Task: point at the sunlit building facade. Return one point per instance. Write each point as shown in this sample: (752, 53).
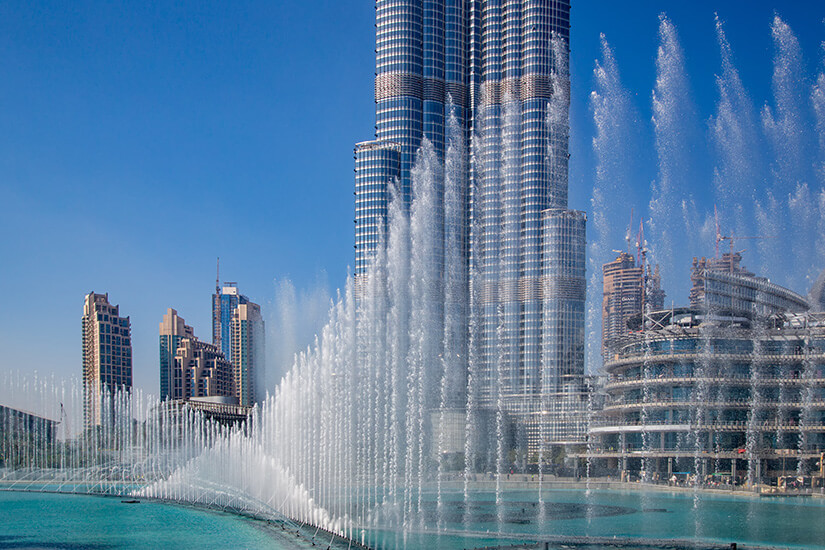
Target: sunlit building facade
(173, 329)
(107, 358)
(247, 345)
(224, 302)
(203, 371)
(238, 333)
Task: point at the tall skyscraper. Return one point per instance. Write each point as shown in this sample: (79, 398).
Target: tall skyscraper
(224, 302)
(626, 293)
(107, 357)
(377, 163)
(173, 329)
(491, 78)
(247, 344)
(238, 332)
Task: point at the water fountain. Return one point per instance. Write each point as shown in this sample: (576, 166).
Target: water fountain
(353, 439)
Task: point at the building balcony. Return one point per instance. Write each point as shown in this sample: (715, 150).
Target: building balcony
(625, 405)
(604, 426)
(692, 356)
(615, 384)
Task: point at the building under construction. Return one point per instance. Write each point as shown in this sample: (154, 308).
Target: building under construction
(730, 389)
(629, 288)
(724, 285)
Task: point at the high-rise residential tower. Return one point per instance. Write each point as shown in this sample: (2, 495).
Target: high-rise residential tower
(224, 302)
(490, 78)
(107, 358)
(192, 369)
(628, 289)
(238, 332)
(203, 371)
(247, 344)
(173, 329)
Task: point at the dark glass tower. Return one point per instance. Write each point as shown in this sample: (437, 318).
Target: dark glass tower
(224, 302)
(500, 68)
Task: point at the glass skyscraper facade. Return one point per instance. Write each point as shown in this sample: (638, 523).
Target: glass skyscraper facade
(377, 166)
(224, 302)
(498, 70)
(238, 333)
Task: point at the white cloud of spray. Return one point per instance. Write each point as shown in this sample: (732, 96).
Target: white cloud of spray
(296, 315)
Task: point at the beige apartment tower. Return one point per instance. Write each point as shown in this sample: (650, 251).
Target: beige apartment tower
(628, 289)
(107, 358)
(173, 329)
(247, 344)
(191, 368)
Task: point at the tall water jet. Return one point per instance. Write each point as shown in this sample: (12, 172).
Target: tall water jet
(756, 406)
(297, 316)
(398, 270)
(787, 135)
(476, 302)
(613, 148)
(818, 103)
(783, 122)
(454, 355)
(735, 137)
(672, 116)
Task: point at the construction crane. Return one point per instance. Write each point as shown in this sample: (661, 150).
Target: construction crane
(731, 238)
(641, 260)
(641, 245)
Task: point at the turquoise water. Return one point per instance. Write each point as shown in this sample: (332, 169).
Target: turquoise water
(42, 520)
(707, 519)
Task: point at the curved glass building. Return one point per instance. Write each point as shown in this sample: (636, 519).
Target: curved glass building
(722, 396)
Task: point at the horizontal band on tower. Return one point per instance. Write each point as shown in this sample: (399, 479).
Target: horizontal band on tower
(390, 85)
(531, 86)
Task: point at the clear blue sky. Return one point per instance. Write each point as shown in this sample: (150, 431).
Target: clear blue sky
(141, 140)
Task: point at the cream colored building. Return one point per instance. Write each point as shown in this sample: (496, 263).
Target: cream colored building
(203, 369)
(107, 358)
(247, 344)
(173, 329)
